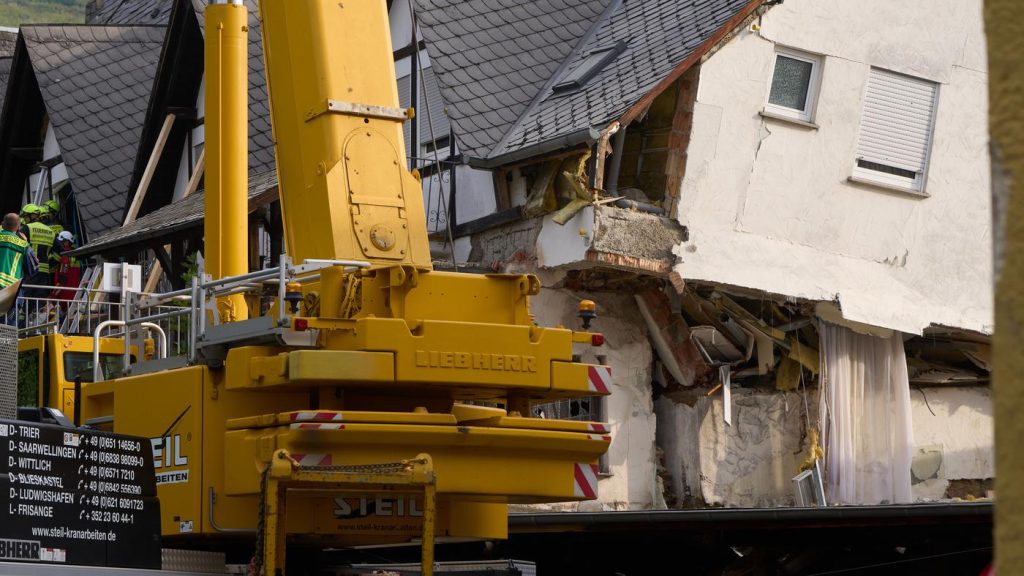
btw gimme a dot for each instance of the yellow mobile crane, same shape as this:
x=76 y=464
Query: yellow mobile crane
x=340 y=382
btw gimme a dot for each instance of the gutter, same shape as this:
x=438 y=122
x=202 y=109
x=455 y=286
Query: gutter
x=587 y=136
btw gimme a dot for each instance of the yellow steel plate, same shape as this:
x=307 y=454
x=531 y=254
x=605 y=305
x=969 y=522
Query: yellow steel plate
x=311 y=419
x=572 y=379
x=481 y=463
x=340 y=366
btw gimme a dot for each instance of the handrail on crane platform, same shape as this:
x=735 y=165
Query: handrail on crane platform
x=97 y=371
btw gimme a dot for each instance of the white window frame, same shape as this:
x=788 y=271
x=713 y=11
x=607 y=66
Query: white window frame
x=895 y=181
x=814 y=84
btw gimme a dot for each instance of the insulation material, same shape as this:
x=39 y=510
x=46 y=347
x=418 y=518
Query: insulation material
x=865 y=417
x=787 y=378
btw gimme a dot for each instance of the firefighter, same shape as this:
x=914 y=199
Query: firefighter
x=40 y=238
x=50 y=216
x=29 y=213
x=67 y=272
x=15 y=263
x=14 y=256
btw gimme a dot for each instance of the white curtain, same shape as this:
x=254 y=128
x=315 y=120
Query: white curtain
x=865 y=417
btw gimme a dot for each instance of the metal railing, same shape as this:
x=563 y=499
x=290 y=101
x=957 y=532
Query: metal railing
x=437 y=179
x=179 y=319
x=82 y=314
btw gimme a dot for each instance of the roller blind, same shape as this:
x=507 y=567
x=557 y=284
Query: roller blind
x=435 y=105
x=896 y=124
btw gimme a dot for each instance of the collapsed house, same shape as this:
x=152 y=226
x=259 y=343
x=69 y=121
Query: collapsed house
x=786 y=232
x=781 y=277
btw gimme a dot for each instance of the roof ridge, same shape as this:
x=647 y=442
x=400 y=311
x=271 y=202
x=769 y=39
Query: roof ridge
x=609 y=10
x=80 y=25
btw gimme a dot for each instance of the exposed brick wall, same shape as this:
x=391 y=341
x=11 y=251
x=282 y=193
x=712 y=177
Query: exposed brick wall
x=679 y=141
x=654 y=155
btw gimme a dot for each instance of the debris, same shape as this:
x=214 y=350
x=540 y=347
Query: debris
x=804 y=354
x=787 y=378
x=724 y=373
x=671 y=337
x=714 y=347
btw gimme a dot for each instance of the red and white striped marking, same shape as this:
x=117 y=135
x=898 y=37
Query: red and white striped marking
x=600 y=379
x=584 y=483
x=312 y=459
x=599 y=437
x=315 y=416
x=316 y=426
x=599 y=428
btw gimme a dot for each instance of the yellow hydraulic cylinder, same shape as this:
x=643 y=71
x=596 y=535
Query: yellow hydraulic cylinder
x=227 y=124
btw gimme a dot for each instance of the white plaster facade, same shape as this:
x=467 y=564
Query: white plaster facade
x=631 y=482
x=768 y=203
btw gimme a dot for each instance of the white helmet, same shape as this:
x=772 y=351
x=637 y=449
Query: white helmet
x=65 y=236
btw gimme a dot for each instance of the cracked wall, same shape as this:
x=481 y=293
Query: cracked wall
x=768 y=204
x=749 y=464
x=752 y=462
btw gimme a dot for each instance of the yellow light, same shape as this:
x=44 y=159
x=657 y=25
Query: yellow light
x=587 y=306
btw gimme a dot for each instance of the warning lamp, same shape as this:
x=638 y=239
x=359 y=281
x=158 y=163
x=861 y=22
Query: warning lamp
x=293 y=295
x=587 y=312
x=597 y=339
x=301 y=324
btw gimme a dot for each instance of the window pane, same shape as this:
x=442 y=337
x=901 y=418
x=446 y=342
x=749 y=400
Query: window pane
x=28 y=378
x=790 y=82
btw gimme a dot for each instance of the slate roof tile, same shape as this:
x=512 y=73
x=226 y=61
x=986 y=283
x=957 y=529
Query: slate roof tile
x=132 y=12
x=95 y=83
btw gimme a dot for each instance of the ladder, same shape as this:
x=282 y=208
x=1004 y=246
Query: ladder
x=82 y=302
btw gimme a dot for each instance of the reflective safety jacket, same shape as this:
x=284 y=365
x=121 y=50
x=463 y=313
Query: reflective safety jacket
x=13 y=253
x=40 y=236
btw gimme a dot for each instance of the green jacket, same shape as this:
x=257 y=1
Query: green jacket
x=13 y=253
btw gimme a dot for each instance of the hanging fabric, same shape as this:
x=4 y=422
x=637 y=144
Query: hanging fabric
x=865 y=417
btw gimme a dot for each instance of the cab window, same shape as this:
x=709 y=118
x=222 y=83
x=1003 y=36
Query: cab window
x=79 y=364
x=28 y=377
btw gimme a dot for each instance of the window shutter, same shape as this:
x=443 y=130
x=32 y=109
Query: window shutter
x=437 y=117
x=896 y=124
x=405 y=101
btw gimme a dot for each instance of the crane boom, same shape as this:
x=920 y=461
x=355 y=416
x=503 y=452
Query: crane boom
x=345 y=190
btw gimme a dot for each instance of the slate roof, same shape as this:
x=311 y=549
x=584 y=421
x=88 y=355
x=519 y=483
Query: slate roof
x=5 y=74
x=261 y=141
x=7 y=41
x=175 y=217
x=492 y=58
x=132 y=12
x=483 y=50
x=95 y=83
